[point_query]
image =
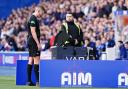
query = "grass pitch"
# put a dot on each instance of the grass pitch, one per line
(8, 82)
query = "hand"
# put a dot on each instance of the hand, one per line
(70, 36)
(76, 41)
(39, 46)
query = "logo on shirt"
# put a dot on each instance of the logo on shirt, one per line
(32, 22)
(37, 53)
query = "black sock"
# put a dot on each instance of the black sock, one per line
(36, 70)
(29, 71)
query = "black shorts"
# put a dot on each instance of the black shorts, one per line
(32, 48)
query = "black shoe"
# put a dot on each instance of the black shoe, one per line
(30, 84)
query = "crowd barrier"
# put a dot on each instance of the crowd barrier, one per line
(78, 73)
(9, 58)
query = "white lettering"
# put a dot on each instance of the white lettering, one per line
(9, 59)
(66, 77)
(76, 78)
(75, 58)
(84, 78)
(123, 79)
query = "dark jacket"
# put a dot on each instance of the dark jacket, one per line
(73, 33)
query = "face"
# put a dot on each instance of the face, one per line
(69, 18)
(86, 41)
(119, 44)
(103, 40)
(126, 1)
(126, 46)
(98, 42)
(40, 12)
(115, 3)
(120, 3)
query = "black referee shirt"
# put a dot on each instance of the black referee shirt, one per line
(33, 22)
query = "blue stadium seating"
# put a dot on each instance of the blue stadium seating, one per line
(6, 6)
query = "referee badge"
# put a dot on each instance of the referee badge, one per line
(32, 22)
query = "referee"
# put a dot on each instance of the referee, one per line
(34, 46)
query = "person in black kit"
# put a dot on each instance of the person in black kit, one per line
(70, 34)
(34, 45)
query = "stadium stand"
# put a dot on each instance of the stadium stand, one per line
(94, 16)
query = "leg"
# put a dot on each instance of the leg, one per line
(29, 68)
(36, 60)
(29, 71)
(35, 54)
(36, 68)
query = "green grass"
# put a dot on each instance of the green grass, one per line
(8, 82)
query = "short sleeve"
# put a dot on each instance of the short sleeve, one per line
(32, 22)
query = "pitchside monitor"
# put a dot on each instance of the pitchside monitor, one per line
(69, 53)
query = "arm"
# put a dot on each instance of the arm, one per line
(58, 38)
(80, 40)
(66, 36)
(62, 37)
(34, 35)
(47, 45)
(33, 32)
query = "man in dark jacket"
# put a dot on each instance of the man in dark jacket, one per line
(70, 34)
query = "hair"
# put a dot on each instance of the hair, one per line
(41, 7)
(116, 1)
(120, 41)
(86, 38)
(126, 42)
